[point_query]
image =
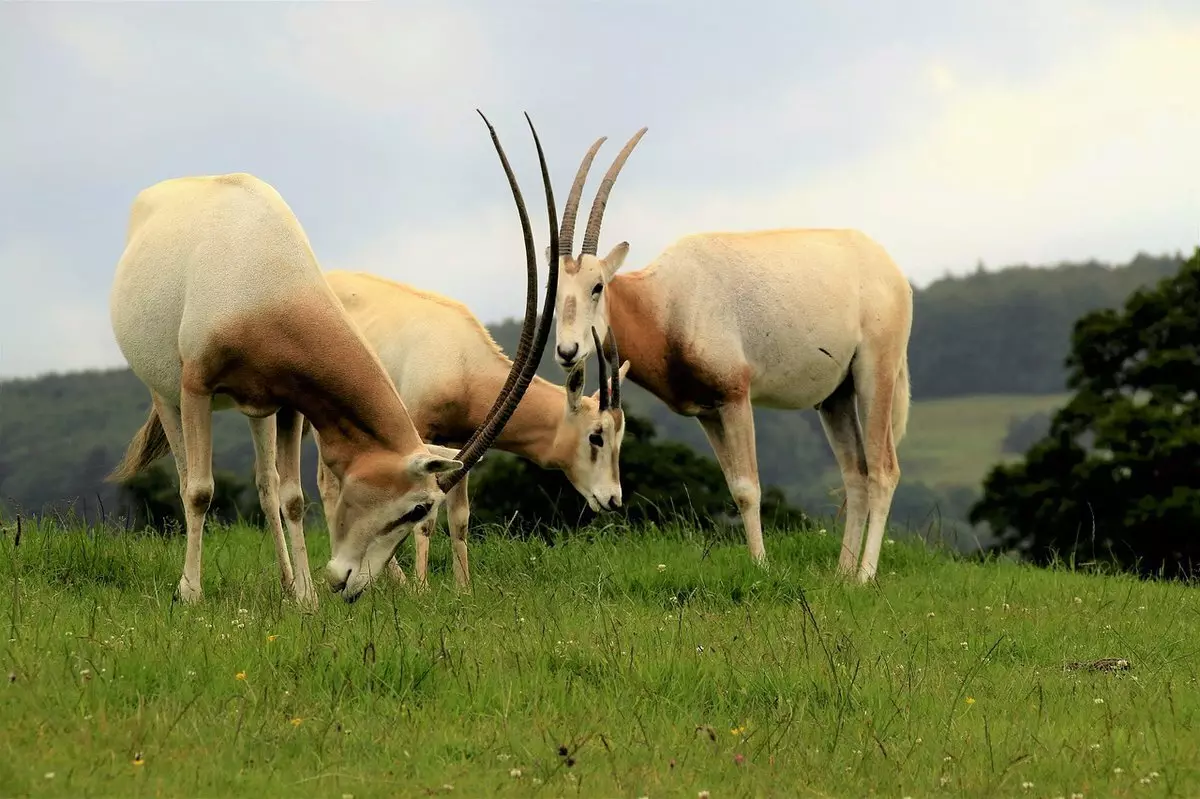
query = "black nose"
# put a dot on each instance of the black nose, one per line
(567, 354)
(340, 584)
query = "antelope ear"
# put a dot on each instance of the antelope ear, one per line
(615, 259)
(548, 262)
(422, 464)
(575, 381)
(621, 372)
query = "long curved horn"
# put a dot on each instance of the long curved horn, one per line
(614, 364)
(602, 368)
(505, 404)
(566, 238)
(591, 236)
(529, 323)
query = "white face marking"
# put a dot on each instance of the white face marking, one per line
(581, 305)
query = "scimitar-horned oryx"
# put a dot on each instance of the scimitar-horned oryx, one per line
(447, 381)
(787, 319)
(219, 302)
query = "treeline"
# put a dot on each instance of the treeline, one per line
(1004, 332)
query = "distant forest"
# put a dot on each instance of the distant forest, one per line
(989, 332)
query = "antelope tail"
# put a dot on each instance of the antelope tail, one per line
(148, 445)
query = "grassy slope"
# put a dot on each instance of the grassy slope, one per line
(947, 678)
(956, 441)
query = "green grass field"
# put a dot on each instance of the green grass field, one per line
(661, 664)
(957, 441)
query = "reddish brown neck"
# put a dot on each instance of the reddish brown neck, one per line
(636, 320)
(532, 430)
(329, 376)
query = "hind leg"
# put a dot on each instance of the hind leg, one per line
(875, 381)
(291, 496)
(194, 416)
(839, 418)
(266, 478)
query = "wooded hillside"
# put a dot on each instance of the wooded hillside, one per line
(1000, 332)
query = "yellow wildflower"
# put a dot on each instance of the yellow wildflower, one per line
(272, 637)
(970, 700)
(296, 721)
(241, 675)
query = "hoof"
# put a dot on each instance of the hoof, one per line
(191, 594)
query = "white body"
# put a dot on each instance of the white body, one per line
(448, 381)
(778, 318)
(218, 302)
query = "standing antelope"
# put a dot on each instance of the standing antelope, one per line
(447, 381)
(219, 302)
(783, 319)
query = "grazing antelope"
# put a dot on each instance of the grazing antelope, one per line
(219, 302)
(447, 382)
(783, 319)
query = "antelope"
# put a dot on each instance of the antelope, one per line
(219, 302)
(721, 321)
(446, 383)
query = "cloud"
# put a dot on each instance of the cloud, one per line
(1034, 130)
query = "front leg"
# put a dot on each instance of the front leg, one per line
(730, 431)
(458, 513)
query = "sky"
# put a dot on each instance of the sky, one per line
(951, 132)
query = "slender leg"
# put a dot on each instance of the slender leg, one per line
(839, 417)
(291, 496)
(168, 414)
(730, 431)
(421, 555)
(458, 513)
(195, 414)
(266, 478)
(874, 378)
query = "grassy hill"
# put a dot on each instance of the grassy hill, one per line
(626, 663)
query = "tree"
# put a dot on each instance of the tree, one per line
(1117, 477)
(661, 482)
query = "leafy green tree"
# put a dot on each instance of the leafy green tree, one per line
(661, 481)
(1117, 478)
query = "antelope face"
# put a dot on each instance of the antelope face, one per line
(580, 304)
(594, 437)
(381, 500)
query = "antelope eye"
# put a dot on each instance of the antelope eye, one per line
(596, 439)
(418, 513)
(596, 289)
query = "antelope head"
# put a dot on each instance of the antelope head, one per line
(594, 428)
(385, 495)
(580, 302)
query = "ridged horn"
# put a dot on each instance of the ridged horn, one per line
(591, 236)
(614, 364)
(523, 369)
(602, 368)
(566, 238)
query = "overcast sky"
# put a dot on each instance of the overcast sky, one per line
(950, 131)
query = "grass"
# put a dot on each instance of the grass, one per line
(662, 662)
(954, 442)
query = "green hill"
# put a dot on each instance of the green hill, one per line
(986, 351)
